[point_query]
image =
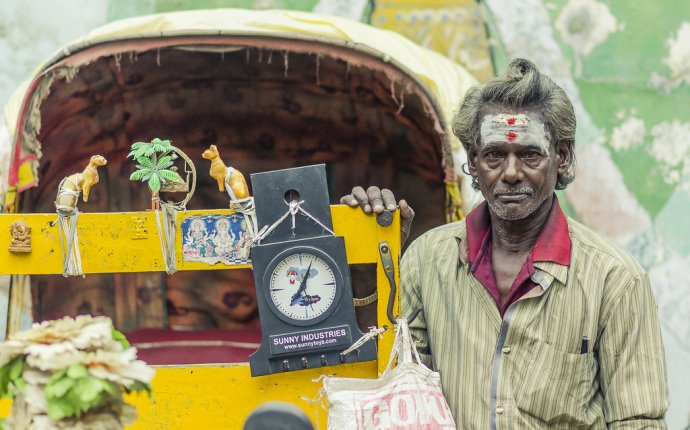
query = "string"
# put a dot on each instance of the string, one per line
(69, 242)
(293, 208)
(371, 334)
(166, 234)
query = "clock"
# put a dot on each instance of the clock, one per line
(302, 278)
(304, 285)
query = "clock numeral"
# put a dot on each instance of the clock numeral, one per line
(330, 283)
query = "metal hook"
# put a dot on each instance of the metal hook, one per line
(389, 270)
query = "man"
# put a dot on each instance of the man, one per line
(532, 320)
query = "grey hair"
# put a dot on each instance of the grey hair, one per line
(520, 86)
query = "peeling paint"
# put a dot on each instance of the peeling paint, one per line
(630, 134)
(671, 148)
(585, 24)
(601, 199)
(673, 302)
(678, 59)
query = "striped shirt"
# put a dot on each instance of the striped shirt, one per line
(532, 368)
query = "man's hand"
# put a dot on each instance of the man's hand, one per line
(376, 200)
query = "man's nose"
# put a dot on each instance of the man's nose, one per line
(512, 171)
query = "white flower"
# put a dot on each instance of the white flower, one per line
(54, 356)
(9, 350)
(52, 346)
(120, 367)
(35, 399)
(64, 329)
(98, 334)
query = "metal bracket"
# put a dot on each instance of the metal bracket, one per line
(389, 270)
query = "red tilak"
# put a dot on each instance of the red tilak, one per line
(511, 135)
(510, 121)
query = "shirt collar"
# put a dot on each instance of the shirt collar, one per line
(551, 251)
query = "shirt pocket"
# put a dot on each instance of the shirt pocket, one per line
(558, 387)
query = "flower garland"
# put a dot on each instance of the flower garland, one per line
(70, 374)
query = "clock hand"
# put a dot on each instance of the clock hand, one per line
(302, 287)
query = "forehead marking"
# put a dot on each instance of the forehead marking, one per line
(519, 129)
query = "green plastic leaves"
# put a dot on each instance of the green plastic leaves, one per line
(73, 391)
(154, 160)
(11, 374)
(118, 336)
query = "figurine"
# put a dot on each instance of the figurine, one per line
(71, 186)
(21, 237)
(226, 176)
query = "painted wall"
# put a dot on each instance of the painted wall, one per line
(625, 64)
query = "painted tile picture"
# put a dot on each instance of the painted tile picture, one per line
(216, 239)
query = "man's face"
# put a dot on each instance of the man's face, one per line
(515, 162)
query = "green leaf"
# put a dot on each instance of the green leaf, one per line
(16, 368)
(88, 389)
(137, 145)
(140, 174)
(20, 384)
(162, 166)
(161, 145)
(154, 184)
(118, 336)
(58, 388)
(145, 162)
(57, 375)
(164, 160)
(140, 386)
(58, 410)
(11, 375)
(170, 175)
(77, 371)
(149, 150)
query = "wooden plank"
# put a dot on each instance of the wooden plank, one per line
(129, 242)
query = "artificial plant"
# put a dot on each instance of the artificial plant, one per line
(70, 374)
(154, 165)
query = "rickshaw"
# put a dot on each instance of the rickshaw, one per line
(271, 90)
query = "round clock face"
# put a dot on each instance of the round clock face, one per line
(303, 286)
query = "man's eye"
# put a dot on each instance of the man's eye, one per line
(530, 155)
(493, 154)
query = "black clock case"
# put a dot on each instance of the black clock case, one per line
(265, 361)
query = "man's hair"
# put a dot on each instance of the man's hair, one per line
(520, 86)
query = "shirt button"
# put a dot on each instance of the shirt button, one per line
(506, 350)
(499, 410)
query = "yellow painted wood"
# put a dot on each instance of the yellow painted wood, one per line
(204, 396)
(221, 397)
(129, 242)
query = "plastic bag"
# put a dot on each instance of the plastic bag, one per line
(408, 397)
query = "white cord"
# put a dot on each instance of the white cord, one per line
(371, 334)
(166, 234)
(71, 257)
(293, 208)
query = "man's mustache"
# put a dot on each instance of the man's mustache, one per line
(512, 190)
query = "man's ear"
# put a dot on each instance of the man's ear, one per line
(472, 155)
(564, 152)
